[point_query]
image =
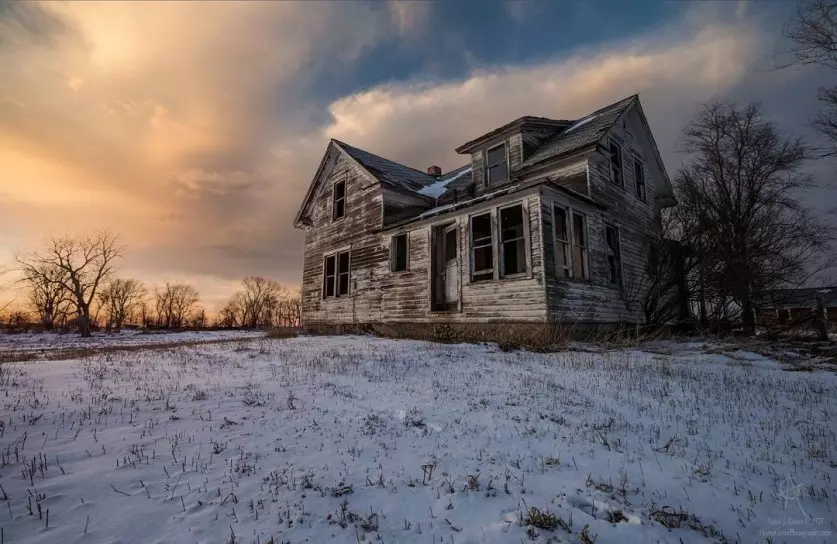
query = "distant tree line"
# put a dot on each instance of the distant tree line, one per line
(72, 284)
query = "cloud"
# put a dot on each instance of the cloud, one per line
(687, 64)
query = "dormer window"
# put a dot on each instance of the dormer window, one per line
(496, 168)
(338, 200)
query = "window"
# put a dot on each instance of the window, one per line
(580, 266)
(329, 274)
(639, 179)
(398, 253)
(512, 241)
(616, 164)
(338, 200)
(336, 275)
(614, 260)
(482, 249)
(343, 273)
(562, 243)
(495, 165)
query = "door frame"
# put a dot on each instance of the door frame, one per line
(438, 266)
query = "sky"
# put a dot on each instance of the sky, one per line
(193, 129)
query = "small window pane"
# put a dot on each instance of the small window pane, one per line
(562, 253)
(343, 273)
(514, 257)
(613, 259)
(579, 246)
(639, 179)
(496, 168)
(328, 277)
(616, 163)
(482, 250)
(338, 205)
(496, 155)
(399, 253)
(513, 248)
(450, 245)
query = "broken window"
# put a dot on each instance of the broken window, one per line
(512, 241)
(329, 275)
(616, 175)
(338, 204)
(343, 273)
(398, 253)
(496, 170)
(482, 249)
(614, 260)
(336, 275)
(639, 179)
(562, 243)
(580, 268)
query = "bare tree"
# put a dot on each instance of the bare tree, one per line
(120, 299)
(739, 210)
(46, 294)
(813, 31)
(257, 304)
(174, 303)
(85, 262)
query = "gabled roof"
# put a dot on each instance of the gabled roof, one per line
(528, 120)
(581, 133)
(387, 171)
(460, 177)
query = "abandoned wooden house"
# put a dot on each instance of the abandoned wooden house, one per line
(549, 221)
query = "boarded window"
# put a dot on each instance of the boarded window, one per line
(616, 174)
(562, 243)
(338, 205)
(482, 249)
(639, 179)
(343, 273)
(329, 275)
(512, 241)
(580, 268)
(398, 253)
(496, 170)
(614, 260)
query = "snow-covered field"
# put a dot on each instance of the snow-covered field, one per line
(46, 341)
(355, 439)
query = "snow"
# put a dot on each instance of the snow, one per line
(465, 203)
(580, 122)
(360, 439)
(435, 190)
(49, 341)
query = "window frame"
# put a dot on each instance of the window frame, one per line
(488, 180)
(336, 276)
(616, 253)
(472, 248)
(639, 167)
(393, 256)
(568, 242)
(334, 185)
(619, 180)
(524, 218)
(585, 246)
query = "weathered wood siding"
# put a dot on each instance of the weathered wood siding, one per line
(364, 203)
(406, 295)
(596, 300)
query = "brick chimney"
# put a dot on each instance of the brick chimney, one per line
(434, 171)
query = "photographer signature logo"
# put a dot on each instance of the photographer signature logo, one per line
(790, 491)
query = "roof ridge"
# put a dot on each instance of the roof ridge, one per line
(344, 144)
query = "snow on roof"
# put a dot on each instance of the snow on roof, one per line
(580, 122)
(446, 207)
(436, 190)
